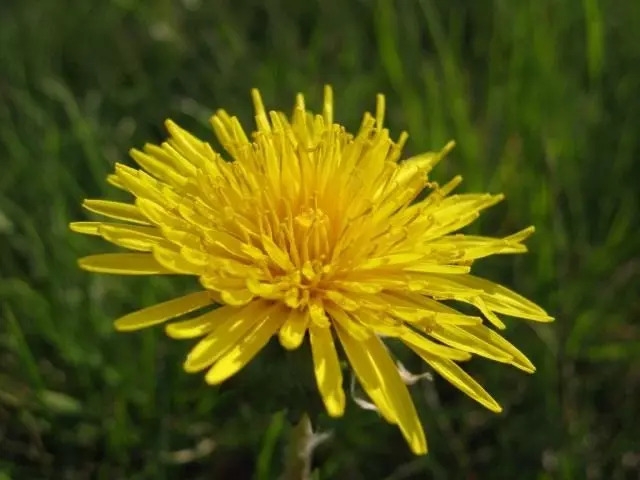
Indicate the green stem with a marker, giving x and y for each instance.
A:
(300, 451)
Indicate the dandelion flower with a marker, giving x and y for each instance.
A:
(307, 230)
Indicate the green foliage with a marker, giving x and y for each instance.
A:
(542, 99)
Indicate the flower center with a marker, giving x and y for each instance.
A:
(305, 240)
(312, 218)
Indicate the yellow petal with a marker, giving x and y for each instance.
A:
(418, 165)
(219, 283)
(381, 323)
(261, 117)
(462, 380)
(247, 348)
(359, 360)
(349, 323)
(419, 343)
(266, 290)
(86, 228)
(236, 297)
(397, 394)
(343, 301)
(161, 216)
(424, 267)
(492, 317)
(157, 168)
(279, 257)
(318, 313)
(188, 145)
(443, 313)
(389, 261)
(113, 181)
(226, 335)
(522, 235)
(459, 338)
(443, 287)
(117, 210)
(450, 218)
(123, 264)
(202, 325)
(140, 184)
(132, 236)
(292, 332)
(327, 105)
(519, 360)
(358, 287)
(167, 154)
(174, 261)
(327, 370)
(473, 247)
(501, 299)
(450, 208)
(163, 311)
(379, 374)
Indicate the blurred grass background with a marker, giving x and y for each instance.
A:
(542, 97)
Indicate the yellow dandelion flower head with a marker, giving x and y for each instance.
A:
(310, 229)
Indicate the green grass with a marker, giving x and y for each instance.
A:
(542, 99)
